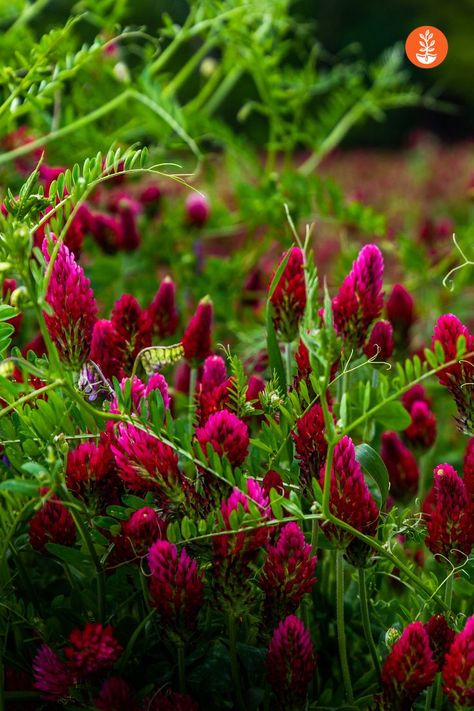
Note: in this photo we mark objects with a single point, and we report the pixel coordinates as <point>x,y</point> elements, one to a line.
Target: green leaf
<point>72,556</point>
<point>393,416</point>
<point>275,501</point>
<point>373,465</point>
<point>20,486</point>
<point>119,512</point>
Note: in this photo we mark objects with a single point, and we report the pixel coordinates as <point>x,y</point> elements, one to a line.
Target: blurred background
<point>344,28</point>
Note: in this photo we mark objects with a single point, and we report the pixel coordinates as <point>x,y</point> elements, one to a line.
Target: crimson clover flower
<point>380,341</point>
<point>289,297</point>
<point>441,637</point>
<point>450,520</point>
<point>53,523</point>
<point>290,664</point>
<point>74,309</point>
<point>409,669</point>
<point>350,498</point>
<point>401,311</point>
<point>458,670</point>
<point>227,434</point>
<point>310,444</point>
<point>458,377</point>
<point>359,300</point>
<point>162,311</point>
<point>176,587</point>
<point>288,572</point>
<point>196,340</point>
<point>53,678</point>
<point>91,649</point>
<point>401,465</point>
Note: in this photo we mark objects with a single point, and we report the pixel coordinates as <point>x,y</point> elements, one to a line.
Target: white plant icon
<point>426,54</point>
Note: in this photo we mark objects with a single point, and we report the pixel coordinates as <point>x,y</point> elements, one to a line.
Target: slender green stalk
<point>93,554</point>
<point>448,598</point>
<point>314,535</point>
<point>184,73</point>
<point>192,393</point>
<point>30,396</point>
<point>234,662</point>
<point>181,667</point>
<point>288,363</point>
<point>364,610</point>
<point>429,698</point>
<point>341,632</point>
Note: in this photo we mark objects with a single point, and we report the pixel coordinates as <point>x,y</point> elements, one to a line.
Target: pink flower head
<point>92,649</point>
<point>441,637</point>
<point>401,310</point>
<point>158,382</point>
<point>142,528</point>
<point>197,209</point>
<point>244,542</point>
<point>176,587</point>
<point>115,695</point>
<point>108,349</point>
<point>52,524</point>
<point>379,344</point>
<point>137,393</point>
<point>196,340</point>
<point>469,468</point>
<point>360,299</point>
<point>288,572</point>
<point>410,668</point>
<point>458,670</point>
<point>422,430</point>
<point>350,498</point>
<point>290,664</point>
<point>128,210</point>
<point>74,308</point>
<point>150,197</point>
<point>289,297</point>
<point>133,325</point>
<point>447,331</point>
<point>91,468</point>
<point>106,230</point>
<point>52,676</point>
<point>310,444</point>
<point>214,373</point>
<point>146,464</point>
<point>227,434</point>
<point>451,521</point>
<point>163,311</point>
<point>213,389</point>
<point>401,465</point>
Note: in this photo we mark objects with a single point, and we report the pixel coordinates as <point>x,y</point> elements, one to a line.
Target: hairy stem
<point>448,598</point>
<point>341,632</point>
<point>181,667</point>
<point>364,611</point>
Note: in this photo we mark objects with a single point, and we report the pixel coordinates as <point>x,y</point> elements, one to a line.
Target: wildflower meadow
<point>236,368</point>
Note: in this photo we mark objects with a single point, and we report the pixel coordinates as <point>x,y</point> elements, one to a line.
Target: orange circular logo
<point>426,47</point>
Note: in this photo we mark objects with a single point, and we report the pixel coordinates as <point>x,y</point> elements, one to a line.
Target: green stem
<point>448,598</point>
<point>192,393</point>
<point>341,632</point>
<point>429,698</point>
<point>30,396</point>
<point>181,667</point>
<point>93,554</point>
<point>179,79</point>
<point>314,535</point>
<point>288,363</point>
<point>234,663</point>
<point>364,610</point>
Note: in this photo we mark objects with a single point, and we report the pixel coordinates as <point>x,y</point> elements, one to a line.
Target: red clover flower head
<point>401,465</point>
<point>441,637</point>
<point>290,664</point>
<point>379,344</point>
<point>92,649</point>
<point>350,498</point>
<point>197,209</point>
<point>74,309</point>
<point>53,678</point>
<point>310,443</point>
<point>401,311</point>
<point>115,695</point>
<point>196,340</point>
<point>409,669</point>
<point>53,523</point>
<point>228,436</point>
<point>289,297</point>
<point>288,572</point>
<point>450,523</point>
<point>162,311</point>
<point>469,468</point>
<point>133,325</point>
<point>176,587</point>
<point>458,670</point>
<point>108,349</point>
